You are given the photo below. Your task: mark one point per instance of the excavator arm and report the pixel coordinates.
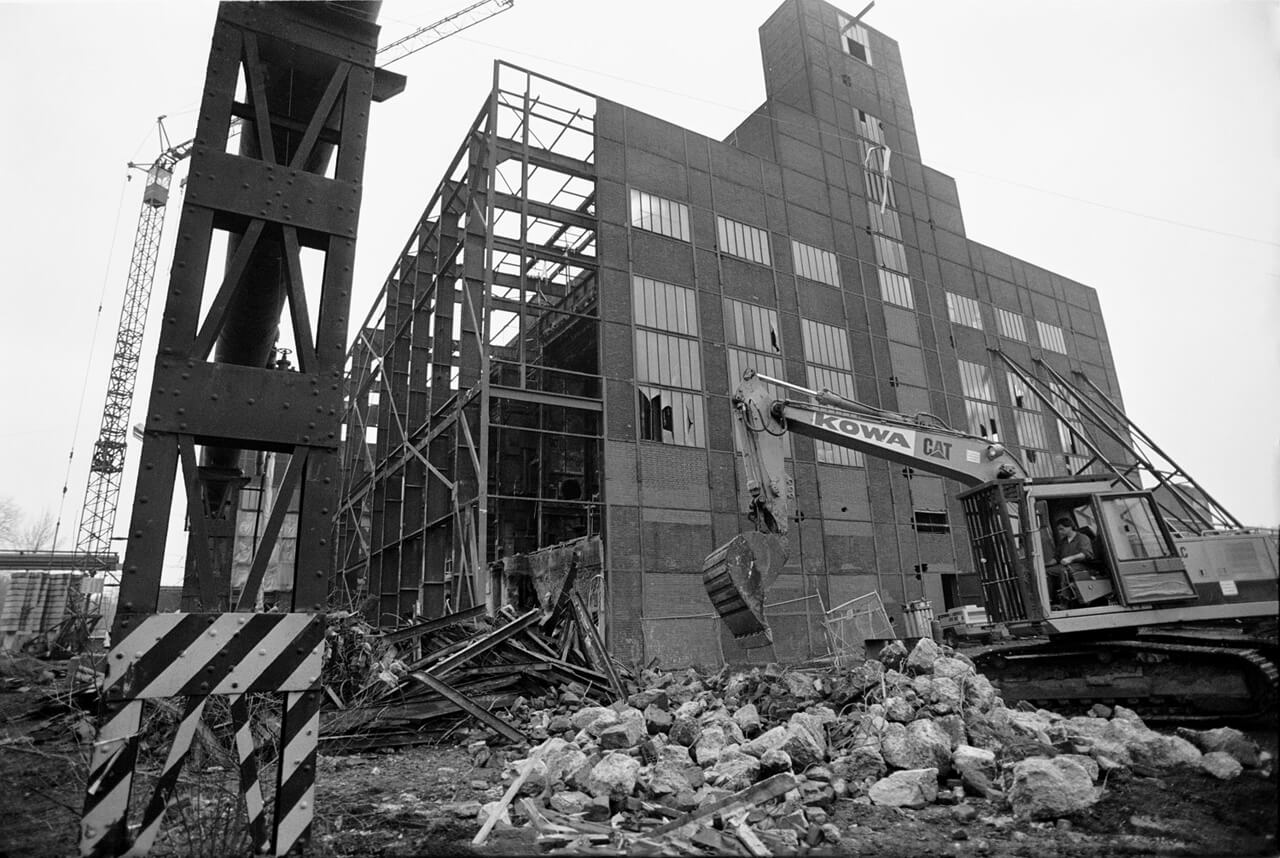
(738, 573)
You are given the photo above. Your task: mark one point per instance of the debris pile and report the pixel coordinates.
(416, 683)
(753, 762)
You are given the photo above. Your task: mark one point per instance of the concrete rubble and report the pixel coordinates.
(754, 761)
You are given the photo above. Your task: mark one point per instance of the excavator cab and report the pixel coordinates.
(1135, 559)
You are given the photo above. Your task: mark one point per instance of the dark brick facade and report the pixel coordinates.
(795, 169)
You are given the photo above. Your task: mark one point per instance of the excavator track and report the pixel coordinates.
(1161, 680)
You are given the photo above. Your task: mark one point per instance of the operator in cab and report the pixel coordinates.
(1073, 547)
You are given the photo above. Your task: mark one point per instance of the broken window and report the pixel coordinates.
(930, 521)
(854, 40)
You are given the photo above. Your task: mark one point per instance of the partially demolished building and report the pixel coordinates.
(554, 353)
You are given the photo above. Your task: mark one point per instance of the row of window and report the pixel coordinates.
(670, 218)
(668, 371)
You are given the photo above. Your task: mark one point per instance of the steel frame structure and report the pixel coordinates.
(309, 78)
(474, 419)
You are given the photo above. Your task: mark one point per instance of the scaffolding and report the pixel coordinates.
(473, 423)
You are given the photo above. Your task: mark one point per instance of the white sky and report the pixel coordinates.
(1131, 146)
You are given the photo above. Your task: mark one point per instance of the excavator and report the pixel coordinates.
(1182, 625)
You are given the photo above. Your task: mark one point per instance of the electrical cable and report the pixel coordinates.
(837, 136)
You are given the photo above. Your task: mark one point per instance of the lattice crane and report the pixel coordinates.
(106, 468)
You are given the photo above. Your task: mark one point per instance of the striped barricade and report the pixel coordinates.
(195, 656)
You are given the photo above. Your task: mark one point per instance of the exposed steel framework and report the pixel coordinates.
(474, 420)
(295, 181)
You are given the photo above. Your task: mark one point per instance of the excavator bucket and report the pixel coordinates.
(737, 575)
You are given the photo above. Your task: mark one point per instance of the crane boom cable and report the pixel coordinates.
(106, 468)
(449, 25)
(88, 370)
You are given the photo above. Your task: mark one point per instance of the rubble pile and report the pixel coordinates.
(754, 762)
(414, 684)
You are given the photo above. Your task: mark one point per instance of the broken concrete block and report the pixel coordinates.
(1226, 739)
(774, 761)
(766, 741)
(734, 770)
(748, 719)
(859, 764)
(1221, 765)
(657, 720)
(976, 767)
(587, 715)
(615, 774)
(920, 744)
(899, 709)
(709, 745)
(571, 801)
(684, 731)
(923, 655)
(1043, 789)
(908, 788)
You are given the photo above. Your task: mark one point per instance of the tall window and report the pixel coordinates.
(1070, 431)
(1051, 337)
(980, 409)
(655, 214)
(668, 363)
(964, 311)
(1011, 325)
(815, 263)
(1029, 423)
(754, 342)
(854, 40)
(739, 239)
(829, 366)
(886, 229)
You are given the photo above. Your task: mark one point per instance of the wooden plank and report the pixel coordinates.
(428, 626)
(483, 834)
(594, 646)
(476, 711)
(484, 644)
(770, 787)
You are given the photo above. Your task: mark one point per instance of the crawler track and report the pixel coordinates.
(1163, 680)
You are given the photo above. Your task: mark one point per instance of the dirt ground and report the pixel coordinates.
(423, 801)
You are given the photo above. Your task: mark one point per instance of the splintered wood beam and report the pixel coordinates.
(466, 704)
(598, 655)
(769, 788)
(427, 626)
(485, 643)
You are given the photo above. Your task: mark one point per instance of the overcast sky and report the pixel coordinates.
(1132, 146)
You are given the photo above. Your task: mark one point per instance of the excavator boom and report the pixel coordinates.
(737, 573)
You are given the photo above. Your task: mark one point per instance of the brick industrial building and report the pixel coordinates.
(554, 353)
